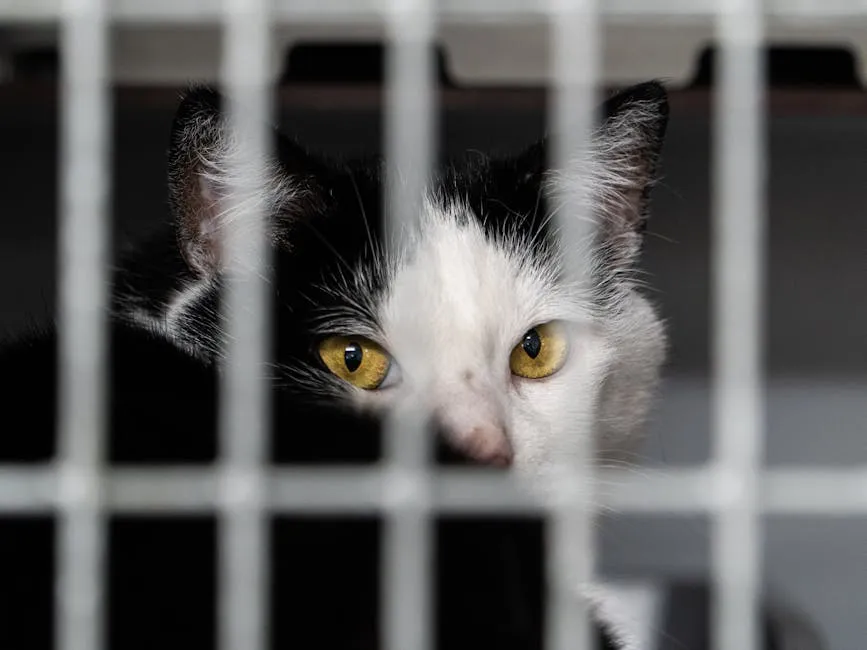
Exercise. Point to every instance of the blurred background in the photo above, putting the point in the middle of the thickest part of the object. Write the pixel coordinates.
(492, 80)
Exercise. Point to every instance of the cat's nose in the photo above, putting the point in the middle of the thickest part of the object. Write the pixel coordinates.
(489, 445)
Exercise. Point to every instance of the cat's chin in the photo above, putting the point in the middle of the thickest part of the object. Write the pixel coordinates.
(553, 485)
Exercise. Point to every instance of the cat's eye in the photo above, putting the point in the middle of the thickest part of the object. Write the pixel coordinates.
(357, 360)
(541, 352)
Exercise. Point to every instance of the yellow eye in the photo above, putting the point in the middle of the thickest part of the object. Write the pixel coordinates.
(357, 360)
(541, 352)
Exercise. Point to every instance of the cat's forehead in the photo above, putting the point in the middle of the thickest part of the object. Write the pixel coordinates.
(461, 285)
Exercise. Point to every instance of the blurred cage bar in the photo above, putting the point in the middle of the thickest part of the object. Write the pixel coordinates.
(733, 488)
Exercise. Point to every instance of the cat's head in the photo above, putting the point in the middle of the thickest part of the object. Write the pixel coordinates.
(470, 317)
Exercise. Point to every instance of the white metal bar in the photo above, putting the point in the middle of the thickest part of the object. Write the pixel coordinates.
(409, 150)
(790, 492)
(201, 11)
(245, 405)
(571, 555)
(738, 262)
(82, 332)
(802, 491)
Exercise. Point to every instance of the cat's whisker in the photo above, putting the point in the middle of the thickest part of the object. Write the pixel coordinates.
(361, 209)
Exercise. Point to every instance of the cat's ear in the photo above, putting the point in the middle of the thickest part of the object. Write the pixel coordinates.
(626, 155)
(202, 178)
(615, 178)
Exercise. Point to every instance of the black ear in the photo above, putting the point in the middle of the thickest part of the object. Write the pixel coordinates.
(201, 176)
(616, 180)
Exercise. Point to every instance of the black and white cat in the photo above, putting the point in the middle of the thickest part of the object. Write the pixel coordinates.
(470, 319)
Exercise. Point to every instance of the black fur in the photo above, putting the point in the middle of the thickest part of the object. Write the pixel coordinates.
(332, 228)
(324, 570)
(325, 592)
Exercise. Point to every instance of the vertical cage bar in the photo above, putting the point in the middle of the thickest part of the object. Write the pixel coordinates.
(571, 555)
(82, 333)
(244, 403)
(409, 151)
(738, 397)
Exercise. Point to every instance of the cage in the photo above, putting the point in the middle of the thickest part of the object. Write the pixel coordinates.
(755, 435)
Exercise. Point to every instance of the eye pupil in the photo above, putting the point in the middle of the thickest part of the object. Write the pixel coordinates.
(352, 356)
(532, 344)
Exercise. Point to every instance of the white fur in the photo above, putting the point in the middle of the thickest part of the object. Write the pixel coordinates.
(458, 301)
(236, 184)
(628, 612)
(182, 301)
(458, 304)
(177, 319)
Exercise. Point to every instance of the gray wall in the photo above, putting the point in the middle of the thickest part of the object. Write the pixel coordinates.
(816, 354)
(817, 411)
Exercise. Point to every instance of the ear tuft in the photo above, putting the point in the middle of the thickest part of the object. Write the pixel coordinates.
(202, 174)
(629, 143)
(614, 180)
(197, 134)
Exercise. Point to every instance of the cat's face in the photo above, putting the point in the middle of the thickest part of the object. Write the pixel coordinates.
(485, 336)
(468, 316)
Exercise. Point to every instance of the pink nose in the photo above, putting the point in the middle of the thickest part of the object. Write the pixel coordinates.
(489, 445)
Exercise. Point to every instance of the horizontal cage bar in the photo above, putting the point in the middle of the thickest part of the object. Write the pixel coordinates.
(198, 11)
(791, 491)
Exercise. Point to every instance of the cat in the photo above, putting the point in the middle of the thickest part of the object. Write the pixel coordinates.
(485, 257)
(497, 344)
